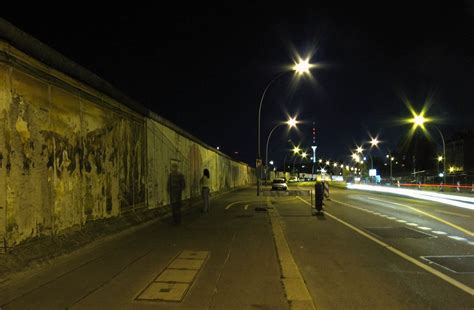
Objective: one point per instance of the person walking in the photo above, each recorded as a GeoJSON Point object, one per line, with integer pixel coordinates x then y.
{"type": "Point", "coordinates": [176, 186]}
{"type": "Point", "coordinates": [205, 189]}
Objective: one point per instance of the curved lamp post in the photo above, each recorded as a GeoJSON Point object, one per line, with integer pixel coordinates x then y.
{"type": "Point", "coordinates": [300, 68]}
{"type": "Point", "coordinates": [295, 150]}
{"type": "Point", "coordinates": [291, 122]}
{"type": "Point", "coordinates": [419, 120]}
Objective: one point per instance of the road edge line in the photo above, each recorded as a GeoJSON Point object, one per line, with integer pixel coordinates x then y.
{"type": "Point", "coordinates": [412, 260]}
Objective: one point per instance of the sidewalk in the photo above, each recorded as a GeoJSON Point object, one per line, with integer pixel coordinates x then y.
{"type": "Point", "coordinates": [240, 269]}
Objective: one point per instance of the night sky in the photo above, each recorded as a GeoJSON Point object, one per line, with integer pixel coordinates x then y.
{"type": "Point", "coordinates": [205, 68]}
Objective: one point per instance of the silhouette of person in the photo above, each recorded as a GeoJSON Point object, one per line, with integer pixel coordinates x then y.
{"type": "Point", "coordinates": [176, 186]}
{"type": "Point", "coordinates": [205, 189]}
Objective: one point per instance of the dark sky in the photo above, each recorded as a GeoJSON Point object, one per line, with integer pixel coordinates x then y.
{"type": "Point", "coordinates": [205, 68]}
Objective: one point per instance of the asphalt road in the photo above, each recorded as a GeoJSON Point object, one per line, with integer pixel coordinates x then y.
{"type": "Point", "coordinates": [379, 251]}
{"type": "Point", "coordinates": [368, 251]}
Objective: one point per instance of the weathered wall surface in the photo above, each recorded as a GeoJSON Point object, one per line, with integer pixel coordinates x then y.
{"type": "Point", "coordinates": [70, 154]}
{"type": "Point", "coordinates": [166, 146]}
{"type": "Point", "coordinates": [67, 155]}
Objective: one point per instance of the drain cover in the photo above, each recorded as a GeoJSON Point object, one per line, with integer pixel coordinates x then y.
{"type": "Point", "coordinates": [398, 232]}
{"type": "Point", "coordinates": [453, 263]}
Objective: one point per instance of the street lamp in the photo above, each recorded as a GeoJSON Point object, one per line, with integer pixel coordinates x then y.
{"type": "Point", "coordinates": [291, 122]}
{"type": "Point", "coordinates": [300, 68]}
{"type": "Point", "coordinates": [303, 155]}
{"type": "Point", "coordinates": [390, 158]}
{"type": "Point", "coordinates": [295, 150]}
{"type": "Point", "coordinates": [419, 120]}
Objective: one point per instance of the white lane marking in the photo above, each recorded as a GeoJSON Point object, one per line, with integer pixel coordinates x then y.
{"type": "Point", "coordinates": [457, 238]}
{"type": "Point", "coordinates": [246, 207]}
{"type": "Point", "coordinates": [424, 228]}
{"type": "Point", "coordinates": [245, 201]}
{"type": "Point", "coordinates": [470, 233]}
{"type": "Point", "coordinates": [401, 221]}
{"type": "Point", "coordinates": [392, 218]}
{"type": "Point", "coordinates": [471, 242]}
{"type": "Point", "coordinates": [439, 232]}
{"type": "Point", "coordinates": [452, 213]}
{"type": "Point", "coordinates": [412, 224]}
{"type": "Point", "coordinates": [416, 262]}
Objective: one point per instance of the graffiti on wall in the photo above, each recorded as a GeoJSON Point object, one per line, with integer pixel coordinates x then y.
{"type": "Point", "coordinates": [67, 160]}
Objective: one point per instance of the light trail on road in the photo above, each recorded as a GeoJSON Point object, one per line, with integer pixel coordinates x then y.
{"type": "Point", "coordinates": [457, 201]}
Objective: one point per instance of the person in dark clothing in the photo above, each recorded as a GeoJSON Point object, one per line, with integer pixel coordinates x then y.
{"type": "Point", "coordinates": [176, 186]}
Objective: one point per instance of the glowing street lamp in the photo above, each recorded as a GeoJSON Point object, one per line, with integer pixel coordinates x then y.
{"type": "Point", "coordinates": [419, 120]}
{"type": "Point", "coordinates": [296, 151]}
{"type": "Point", "coordinates": [374, 142]}
{"type": "Point", "coordinates": [291, 122]}
{"type": "Point", "coordinates": [300, 68]}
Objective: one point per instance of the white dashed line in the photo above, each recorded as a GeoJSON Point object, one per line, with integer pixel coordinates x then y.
{"type": "Point", "coordinates": [392, 218]}
{"type": "Point", "coordinates": [424, 228]}
{"type": "Point", "coordinates": [439, 232]}
{"type": "Point", "coordinates": [412, 224]}
{"type": "Point", "coordinates": [457, 238]}
{"type": "Point", "coordinates": [401, 221]}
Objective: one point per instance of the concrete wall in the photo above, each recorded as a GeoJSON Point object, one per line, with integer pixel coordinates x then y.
{"type": "Point", "coordinates": [71, 154]}
{"type": "Point", "coordinates": [166, 146]}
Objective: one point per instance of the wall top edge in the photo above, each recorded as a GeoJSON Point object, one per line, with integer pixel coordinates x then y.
{"type": "Point", "coordinates": [16, 44]}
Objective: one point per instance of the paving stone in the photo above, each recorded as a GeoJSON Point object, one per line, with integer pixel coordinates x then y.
{"type": "Point", "coordinates": [186, 264]}
{"type": "Point", "coordinates": [177, 275]}
{"type": "Point", "coordinates": [194, 254]}
{"type": "Point", "coordinates": [164, 291]}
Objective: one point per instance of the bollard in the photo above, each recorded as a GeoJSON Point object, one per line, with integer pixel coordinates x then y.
{"type": "Point", "coordinates": [457, 186]}
{"type": "Point", "coordinates": [319, 196]}
{"type": "Point", "coordinates": [398, 183]}
{"type": "Point", "coordinates": [326, 190]}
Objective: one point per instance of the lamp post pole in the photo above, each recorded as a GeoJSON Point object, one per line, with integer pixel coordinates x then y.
{"type": "Point", "coordinates": [259, 175]}
{"type": "Point", "coordinates": [390, 158]}
{"type": "Point", "coordinates": [444, 154]}
{"type": "Point", "coordinates": [300, 68]}
{"type": "Point", "coordinates": [266, 152]}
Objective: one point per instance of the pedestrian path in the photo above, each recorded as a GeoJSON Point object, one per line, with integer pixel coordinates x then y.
{"type": "Point", "coordinates": [173, 283]}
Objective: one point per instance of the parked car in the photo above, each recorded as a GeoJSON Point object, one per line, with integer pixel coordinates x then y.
{"type": "Point", "coordinates": [293, 180]}
{"type": "Point", "coordinates": [279, 184]}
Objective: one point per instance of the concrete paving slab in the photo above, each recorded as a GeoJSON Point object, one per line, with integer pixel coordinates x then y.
{"type": "Point", "coordinates": [180, 263]}
{"type": "Point", "coordinates": [177, 275]}
{"type": "Point", "coordinates": [164, 291]}
{"type": "Point", "coordinates": [194, 254]}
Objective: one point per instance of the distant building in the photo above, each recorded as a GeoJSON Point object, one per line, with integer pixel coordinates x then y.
{"type": "Point", "coordinates": [460, 151]}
